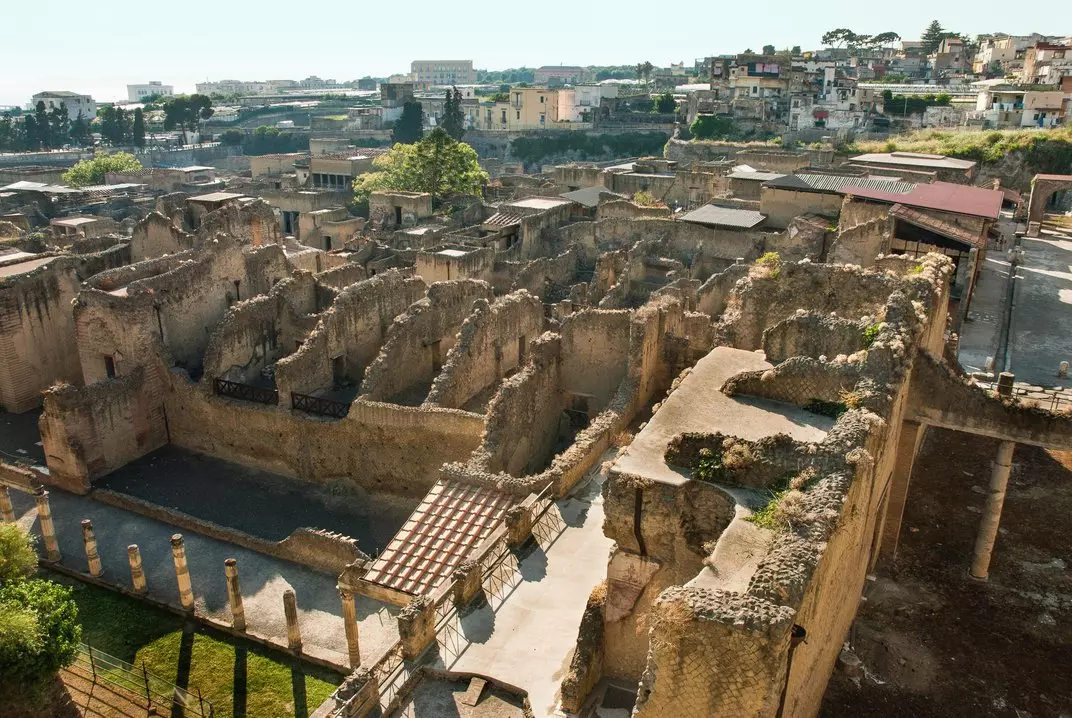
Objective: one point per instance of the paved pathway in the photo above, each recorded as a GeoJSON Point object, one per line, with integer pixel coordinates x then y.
{"type": "Point", "coordinates": [263, 578]}
{"type": "Point", "coordinates": [979, 334]}
{"type": "Point", "coordinates": [1041, 329]}
{"type": "Point", "coordinates": [528, 638]}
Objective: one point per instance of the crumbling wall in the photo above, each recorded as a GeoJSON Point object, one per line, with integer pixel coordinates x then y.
{"type": "Point", "coordinates": [861, 243]}
{"type": "Point", "coordinates": [524, 417]}
{"type": "Point", "coordinates": [418, 341]}
{"type": "Point", "coordinates": [491, 344]}
{"type": "Point", "coordinates": [435, 267]}
{"type": "Point", "coordinates": [352, 329]}
{"type": "Point", "coordinates": [595, 354]}
{"type": "Point", "coordinates": [623, 208]}
{"type": "Point", "coordinates": [89, 432]}
{"type": "Point", "coordinates": [546, 277]}
{"type": "Point", "coordinates": [156, 235]}
{"type": "Point", "coordinates": [251, 223]}
{"type": "Point", "coordinates": [258, 332]}
{"type": "Point", "coordinates": [377, 447]}
{"type": "Point", "coordinates": [342, 276]}
{"type": "Point", "coordinates": [813, 335]}
{"type": "Point", "coordinates": [714, 294]}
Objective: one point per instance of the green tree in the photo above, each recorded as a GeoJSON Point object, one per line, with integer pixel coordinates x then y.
{"type": "Point", "coordinates": [44, 127]}
{"type": "Point", "coordinates": [644, 70]}
{"type": "Point", "coordinates": [436, 164]}
{"type": "Point", "coordinates": [187, 112]}
{"type": "Point", "coordinates": [932, 37]}
{"type": "Point", "coordinates": [80, 133]}
{"type": "Point", "coordinates": [714, 127]}
{"type": "Point", "coordinates": [59, 125]}
{"type": "Point", "coordinates": [666, 104]}
{"type": "Point", "coordinates": [12, 133]}
{"type": "Point", "coordinates": [113, 125]}
{"type": "Point", "coordinates": [453, 118]}
{"type": "Point", "coordinates": [30, 133]}
{"type": "Point", "coordinates": [410, 126]}
{"type": "Point", "coordinates": [232, 137]}
{"type": "Point", "coordinates": [18, 560]}
{"type": "Point", "coordinates": [138, 130]}
{"type": "Point", "coordinates": [838, 37]}
{"type": "Point", "coordinates": [884, 38]}
{"type": "Point", "coordinates": [92, 172]}
{"type": "Point", "coordinates": [768, 49]}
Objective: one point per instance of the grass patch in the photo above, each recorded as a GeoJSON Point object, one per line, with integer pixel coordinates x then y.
{"type": "Point", "coordinates": [872, 332]}
{"type": "Point", "coordinates": [1045, 150]}
{"type": "Point", "coordinates": [767, 516]}
{"type": "Point", "coordinates": [772, 261]}
{"type": "Point", "coordinates": [260, 682]}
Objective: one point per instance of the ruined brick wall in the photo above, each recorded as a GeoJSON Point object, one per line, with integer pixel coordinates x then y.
{"type": "Point", "coordinates": [260, 331]}
{"type": "Point", "coordinates": [490, 345]}
{"type": "Point", "coordinates": [434, 267]}
{"type": "Point", "coordinates": [535, 235]}
{"type": "Point", "coordinates": [91, 431]}
{"type": "Point", "coordinates": [622, 208]}
{"type": "Point", "coordinates": [782, 205]}
{"type": "Point", "coordinates": [813, 335]}
{"type": "Point", "coordinates": [37, 333]}
{"type": "Point", "coordinates": [713, 295]}
{"type": "Point", "coordinates": [353, 328]}
{"type": "Point", "coordinates": [595, 353]}
{"type": "Point", "coordinates": [861, 243]}
{"type": "Point", "coordinates": [342, 276]}
{"type": "Point", "coordinates": [418, 341]}
{"type": "Point", "coordinates": [578, 176]}
{"type": "Point", "coordinates": [251, 223]}
{"type": "Point", "coordinates": [377, 447]}
{"type": "Point", "coordinates": [156, 236]}
{"type": "Point", "coordinates": [545, 277]}
{"type": "Point", "coordinates": [523, 419]}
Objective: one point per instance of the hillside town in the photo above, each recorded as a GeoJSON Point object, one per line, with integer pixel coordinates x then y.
{"type": "Point", "coordinates": [736, 387]}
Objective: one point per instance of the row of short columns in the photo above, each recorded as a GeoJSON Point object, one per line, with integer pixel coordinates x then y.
{"type": "Point", "coordinates": [182, 575]}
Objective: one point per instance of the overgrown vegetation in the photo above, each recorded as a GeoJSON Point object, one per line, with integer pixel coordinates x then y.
{"type": "Point", "coordinates": [266, 140]}
{"type": "Point", "coordinates": [647, 199]}
{"type": "Point", "coordinates": [784, 509]}
{"type": "Point", "coordinates": [772, 262]}
{"type": "Point", "coordinates": [1043, 150]}
{"type": "Point", "coordinates": [436, 164]}
{"type": "Point", "coordinates": [913, 104]}
{"type": "Point", "coordinates": [871, 333]}
{"type": "Point", "coordinates": [531, 150]}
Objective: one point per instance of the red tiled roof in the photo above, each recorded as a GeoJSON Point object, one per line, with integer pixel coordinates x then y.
{"type": "Point", "coordinates": [452, 519]}
{"type": "Point", "coordinates": [941, 196]}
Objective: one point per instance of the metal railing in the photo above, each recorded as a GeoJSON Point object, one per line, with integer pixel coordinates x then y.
{"type": "Point", "coordinates": [246, 392]}
{"type": "Point", "coordinates": [1050, 399]}
{"type": "Point", "coordinates": [140, 683]}
{"type": "Point", "coordinates": [319, 405]}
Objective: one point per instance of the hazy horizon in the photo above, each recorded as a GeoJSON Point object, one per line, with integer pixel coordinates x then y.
{"type": "Point", "coordinates": [118, 42]}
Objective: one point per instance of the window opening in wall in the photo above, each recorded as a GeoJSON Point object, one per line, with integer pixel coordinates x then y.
{"type": "Point", "coordinates": [109, 367]}
{"type": "Point", "coordinates": [338, 370]}
{"type": "Point", "coordinates": [398, 215]}
{"type": "Point", "coordinates": [521, 346]}
{"type": "Point", "coordinates": [327, 244]}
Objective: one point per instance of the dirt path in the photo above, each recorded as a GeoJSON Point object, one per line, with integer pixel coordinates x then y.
{"type": "Point", "coordinates": [935, 642]}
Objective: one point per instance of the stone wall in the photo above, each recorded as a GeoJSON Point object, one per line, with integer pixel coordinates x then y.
{"type": "Point", "coordinates": [491, 345]}
{"type": "Point", "coordinates": [622, 208]}
{"type": "Point", "coordinates": [342, 276]}
{"type": "Point", "coordinates": [595, 354]}
{"type": "Point", "coordinates": [783, 205]}
{"type": "Point", "coordinates": [353, 328]}
{"type": "Point", "coordinates": [545, 277]}
{"type": "Point", "coordinates": [435, 267]}
{"type": "Point", "coordinates": [812, 335]}
{"type": "Point", "coordinates": [37, 327]}
{"type": "Point", "coordinates": [156, 236]}
{"type": "Point", "coordinates": [377, 447]}
{"type": "Point", "coordinates": [418, 341]}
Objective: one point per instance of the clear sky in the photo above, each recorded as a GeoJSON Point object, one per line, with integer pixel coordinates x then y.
{"type": "Point", "coordinates": [98, 47]}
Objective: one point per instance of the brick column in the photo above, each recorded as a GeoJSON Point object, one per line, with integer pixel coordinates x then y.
{"type": "Point", "coordinates": [7, 511]}
{"type": "Point", "coordinates": [349, 619]}
{"type": "Point", "coordinates": [361, 693]}
{"type": "Point", "coordinates": [467, 582]}
{"type": "Point", "coordinates": [416, 626]}
{"type": "Point", "coordinates": [290, 608]}
{"type": "Point", "coordinates": [92, 556]}
{"type": "Point", "coordinates": [988, 526]}
{"type": "Point", "coordinates": [182, 572]}
{"type": "Point", "coordinates": [234, 594]}
{"type": "Point", "coordinates": [48, 529]}
{"type": "Point", "coordinates": [518, 524]}
{"type": "Point", "coordinates": [137, 575]}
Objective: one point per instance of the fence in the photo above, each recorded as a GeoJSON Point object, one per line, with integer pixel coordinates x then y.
{"type": "Point", "coordinates": [1051, 399]}
{"type": "Point", "coordinates": [155, 691]}
{"type": "Point", "coordinates": [246, 392]}
{"type": "Point", "coordinates": [319, 405]}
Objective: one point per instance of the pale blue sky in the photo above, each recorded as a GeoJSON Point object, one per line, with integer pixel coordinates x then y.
{"type": "Point", "coordinates": [100, 46]}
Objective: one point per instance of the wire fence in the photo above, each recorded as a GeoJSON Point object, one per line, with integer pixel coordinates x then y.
{"type": "Point", "coordinates": [139, 682]}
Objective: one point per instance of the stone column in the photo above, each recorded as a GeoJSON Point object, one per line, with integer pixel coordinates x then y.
{"type": "Point", "coordinates": [290, 608]}
{"type": "Point", "coordinates": [234, 594]}
{"type": "Point", "coordinates": [7, 511]}
{"type": "Point", "coordinates": [48, 529]}
{"type": "Point", "coordinates": [988, 526]}
{"type": "Point", "coordinates": [137, 575]}
{"type": "Point", "coordinates": [349, 619]}
{"type": "Point", "coordinates": [90, 541]}
{"type": "Point", "coordinates": [182, 572]}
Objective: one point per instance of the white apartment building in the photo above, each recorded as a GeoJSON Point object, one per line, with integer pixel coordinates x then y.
{"type": "Point", "coordinates": [76, 104]}
{"type": "Point", "coordinates": [443, 72]}
{"type": "Point", "coordinates": [136, 92]}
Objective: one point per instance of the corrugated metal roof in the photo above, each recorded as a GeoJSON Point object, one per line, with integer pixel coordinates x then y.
{"type": "Point", "coordinates": [837, 183]}
{"type": "Point", "coordinates": [941, 196]}
{"type": "Point", "coordinates": [449, 522]}
{"type": "Point", "coordinates": [502, 219]}
{"type": "Point", "coordinates": [724, 217]}
{"type": "Point", "coordinates": [754, 175]}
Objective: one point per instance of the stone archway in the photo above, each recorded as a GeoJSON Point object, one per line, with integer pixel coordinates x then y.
{"type": "Point", "coordinates": [1042, 187]}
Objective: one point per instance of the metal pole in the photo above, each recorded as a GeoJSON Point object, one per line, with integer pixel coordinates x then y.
{"type": "Point", "coordinates": [92, 665]}
{"type": "Point", "coordinates": [148, 694]}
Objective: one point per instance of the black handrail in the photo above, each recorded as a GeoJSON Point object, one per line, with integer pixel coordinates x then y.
{"type": "Point", "coordinates": [246, 392]}
{"type": "Point", "coordinates": [319, 405]}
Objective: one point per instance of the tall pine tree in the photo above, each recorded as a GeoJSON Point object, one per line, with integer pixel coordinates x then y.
{"type": "Point", "coordinates": [410, 126]}
{"type": "Point", "coordinates": [453, 119]}
{"type": "Point", "coordinates": [932, 37]}
{"type": "Point", "coordinates": [139, 128]}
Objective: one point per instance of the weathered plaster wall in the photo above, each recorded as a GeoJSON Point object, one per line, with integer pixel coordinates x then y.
{"type": "Point", "coordinates": [595, 353]}
{"type": "Point", "coordinates": [156, 235]}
